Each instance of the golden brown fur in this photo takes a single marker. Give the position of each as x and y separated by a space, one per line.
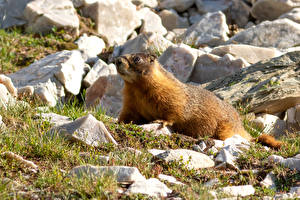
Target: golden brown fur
153 94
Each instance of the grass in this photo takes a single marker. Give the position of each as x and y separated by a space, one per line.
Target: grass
25 135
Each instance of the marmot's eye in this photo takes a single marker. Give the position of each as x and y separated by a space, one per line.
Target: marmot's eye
136 60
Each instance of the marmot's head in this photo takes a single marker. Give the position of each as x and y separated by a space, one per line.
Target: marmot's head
134 67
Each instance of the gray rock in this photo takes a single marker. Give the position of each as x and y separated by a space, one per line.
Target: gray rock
151 22
210 30
225 160
238 13
87 130
292 163
147 43
171 20
11 13
52 75
292 118
106 91
100 68
270 86
206 6
293 15
90 46
169 179
242 190
43 15
209 67
251 54
272 9
157 129
148 3
285 34
115 20
180 60
270 124
179 6
55 119
190 159
269 181
152 187
121 173
211 182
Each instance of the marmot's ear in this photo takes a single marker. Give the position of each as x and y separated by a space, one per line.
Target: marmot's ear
153 58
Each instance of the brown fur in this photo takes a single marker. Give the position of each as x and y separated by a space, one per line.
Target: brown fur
153 94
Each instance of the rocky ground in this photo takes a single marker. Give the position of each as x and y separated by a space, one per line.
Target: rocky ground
60 96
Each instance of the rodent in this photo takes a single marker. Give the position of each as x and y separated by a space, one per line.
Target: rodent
152 94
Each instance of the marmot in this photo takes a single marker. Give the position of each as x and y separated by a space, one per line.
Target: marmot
153 94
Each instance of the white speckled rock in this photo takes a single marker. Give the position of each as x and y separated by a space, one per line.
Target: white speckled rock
121 173
43 15
280 33
180 60
190 159
242 190
115 20
87 130
151 22
151 187
210 30
90 46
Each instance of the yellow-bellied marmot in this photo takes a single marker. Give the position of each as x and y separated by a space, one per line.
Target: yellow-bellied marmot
153 94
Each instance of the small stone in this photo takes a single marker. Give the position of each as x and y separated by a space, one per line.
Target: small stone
293 15
190 159
211 182
151 187
270 124
238 13
295 190
171 20
292 118
90 46
210 30
2 125
21 160
169 179
86 129
4 80
206 6
179 6
121 173
156 152
292 163
180 60
6 98
243 190
199 147
151 22
269 181
157 129
26 91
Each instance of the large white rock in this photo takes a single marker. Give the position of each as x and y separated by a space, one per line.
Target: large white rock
180 60
292 118
293 15
87 130
147 42
121 173
242 190
43 15
210 30
52 75
114 19
270 124
206 6
171 20
151 22
178 5
188 158
106 91
209 67
272 9
11 13
90 46
281 33
251 54
292 163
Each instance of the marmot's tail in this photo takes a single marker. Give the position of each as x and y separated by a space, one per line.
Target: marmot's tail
269 141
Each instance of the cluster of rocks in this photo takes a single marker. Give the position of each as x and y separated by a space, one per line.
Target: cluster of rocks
244 51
